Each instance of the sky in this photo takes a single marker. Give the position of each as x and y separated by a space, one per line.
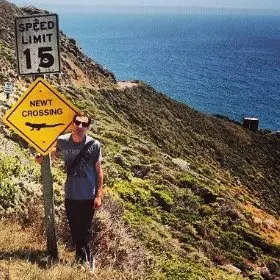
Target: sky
235 4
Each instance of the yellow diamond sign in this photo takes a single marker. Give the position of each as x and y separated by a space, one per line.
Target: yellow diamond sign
40 115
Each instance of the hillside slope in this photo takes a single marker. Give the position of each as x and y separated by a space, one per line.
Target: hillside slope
189 196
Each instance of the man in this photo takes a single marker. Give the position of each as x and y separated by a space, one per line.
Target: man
83 186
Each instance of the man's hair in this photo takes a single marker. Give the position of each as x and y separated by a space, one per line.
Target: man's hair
82 115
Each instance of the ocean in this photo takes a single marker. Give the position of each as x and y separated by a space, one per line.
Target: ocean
226 64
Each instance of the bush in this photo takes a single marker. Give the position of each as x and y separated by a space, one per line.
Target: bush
236 245
15 188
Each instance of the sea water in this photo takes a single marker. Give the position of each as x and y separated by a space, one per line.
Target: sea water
227 64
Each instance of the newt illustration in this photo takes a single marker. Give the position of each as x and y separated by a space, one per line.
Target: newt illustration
38 126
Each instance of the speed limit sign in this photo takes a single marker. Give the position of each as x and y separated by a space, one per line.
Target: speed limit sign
37 43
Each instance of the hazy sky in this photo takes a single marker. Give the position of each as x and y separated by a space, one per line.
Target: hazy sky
243 4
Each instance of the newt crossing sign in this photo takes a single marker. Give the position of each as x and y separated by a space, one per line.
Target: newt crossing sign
37 43
40 115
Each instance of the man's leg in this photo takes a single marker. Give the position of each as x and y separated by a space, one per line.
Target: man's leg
84 237
80 214
73 213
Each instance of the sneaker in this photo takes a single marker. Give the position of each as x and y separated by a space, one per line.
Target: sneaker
92 265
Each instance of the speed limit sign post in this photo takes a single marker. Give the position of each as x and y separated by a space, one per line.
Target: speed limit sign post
37 48
37 43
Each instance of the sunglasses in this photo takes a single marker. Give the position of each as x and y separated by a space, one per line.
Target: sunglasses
84 124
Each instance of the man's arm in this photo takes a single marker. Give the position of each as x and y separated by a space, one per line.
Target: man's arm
99 189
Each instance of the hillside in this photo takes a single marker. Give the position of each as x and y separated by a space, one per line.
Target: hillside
188 195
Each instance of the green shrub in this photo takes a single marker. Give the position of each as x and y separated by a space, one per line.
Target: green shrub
11 196
177 269
15 173
233 242
10 166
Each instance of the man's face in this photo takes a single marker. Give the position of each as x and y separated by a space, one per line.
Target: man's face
80 126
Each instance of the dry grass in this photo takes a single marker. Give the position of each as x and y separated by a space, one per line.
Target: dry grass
20 269
115 247
267 225
78 77
118 255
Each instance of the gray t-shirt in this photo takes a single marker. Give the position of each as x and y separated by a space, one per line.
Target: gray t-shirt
81 182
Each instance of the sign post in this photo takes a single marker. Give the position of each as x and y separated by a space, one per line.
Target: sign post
42 113
8 89
35 116
40 116
49 207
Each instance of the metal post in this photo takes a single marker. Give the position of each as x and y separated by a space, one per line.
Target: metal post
49 207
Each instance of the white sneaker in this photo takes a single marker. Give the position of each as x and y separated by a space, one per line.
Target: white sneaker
92 265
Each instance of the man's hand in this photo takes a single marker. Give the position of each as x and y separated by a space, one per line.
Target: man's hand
97 202
39 158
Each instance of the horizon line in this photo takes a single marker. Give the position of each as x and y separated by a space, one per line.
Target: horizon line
149 6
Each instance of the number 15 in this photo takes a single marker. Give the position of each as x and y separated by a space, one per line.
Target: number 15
46 59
